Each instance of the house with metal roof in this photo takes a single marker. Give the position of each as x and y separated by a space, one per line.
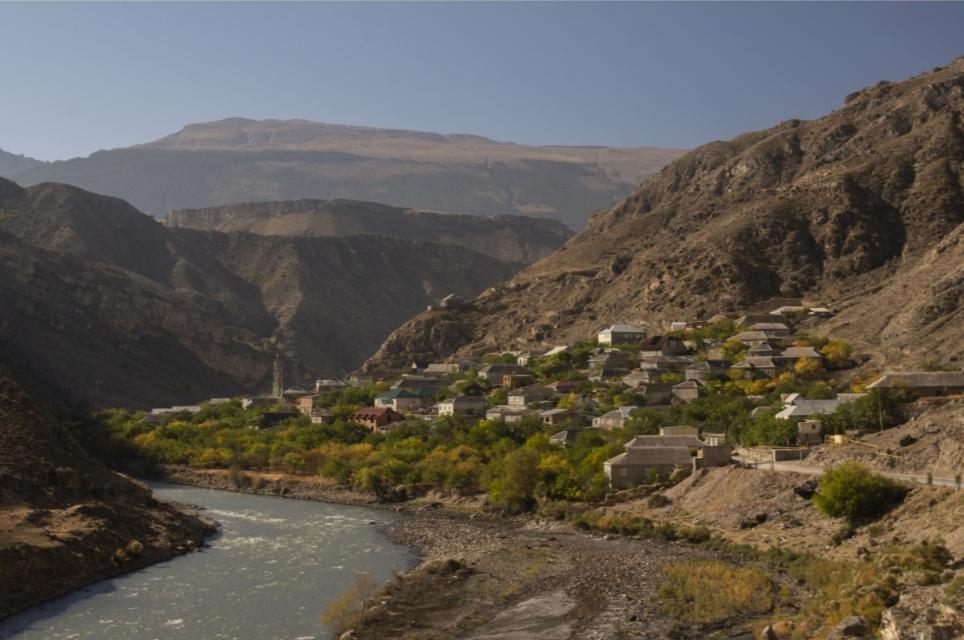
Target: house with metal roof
925 383
621 334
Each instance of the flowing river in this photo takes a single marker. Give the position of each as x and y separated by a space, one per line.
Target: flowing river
268 575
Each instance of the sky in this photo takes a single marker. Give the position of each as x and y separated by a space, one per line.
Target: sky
80 77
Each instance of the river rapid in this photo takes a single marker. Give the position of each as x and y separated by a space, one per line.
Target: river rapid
275 566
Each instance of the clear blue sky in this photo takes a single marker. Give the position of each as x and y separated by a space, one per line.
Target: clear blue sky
82 77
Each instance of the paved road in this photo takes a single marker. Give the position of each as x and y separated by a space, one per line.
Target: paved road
812 470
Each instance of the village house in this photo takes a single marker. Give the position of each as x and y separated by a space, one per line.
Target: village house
809 433
511 415
610 359
602 375
525 396
376 418
494 373
565 438
680 430
655 393
620 334
321 416
924 383
443 368
400 400
763 350
647 456
414 382
642 376
749 319
453 301
753 338
662 346
772 329
714 438
565 387
615 419
462 405
524 358
162 414
556 417
796 407
757 367
687 392
293 394
306 404
667 363
791 355
707 370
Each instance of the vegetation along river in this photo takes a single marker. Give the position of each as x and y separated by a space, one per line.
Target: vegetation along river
268 575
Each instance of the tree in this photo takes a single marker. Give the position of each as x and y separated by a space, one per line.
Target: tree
520 475
837 353
807 367
733 350
850 490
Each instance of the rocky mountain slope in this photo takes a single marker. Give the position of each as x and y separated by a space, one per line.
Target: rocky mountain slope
103 304
860 210
516 239
11 163
65 520
238 160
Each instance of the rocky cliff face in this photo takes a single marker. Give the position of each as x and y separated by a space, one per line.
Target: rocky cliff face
66 520
860 209
239 160
105 305
515 239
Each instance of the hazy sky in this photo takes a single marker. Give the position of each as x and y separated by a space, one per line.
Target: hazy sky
82 77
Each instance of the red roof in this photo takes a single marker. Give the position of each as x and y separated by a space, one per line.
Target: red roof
370 412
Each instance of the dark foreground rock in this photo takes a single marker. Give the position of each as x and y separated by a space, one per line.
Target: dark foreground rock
65 519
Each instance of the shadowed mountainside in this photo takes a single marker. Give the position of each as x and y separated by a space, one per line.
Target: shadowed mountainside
238 160
104 304
860 209
516 239
65 520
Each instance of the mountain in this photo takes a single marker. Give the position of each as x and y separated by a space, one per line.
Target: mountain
65 520
515 239
11 164
238 160
104 304
859 210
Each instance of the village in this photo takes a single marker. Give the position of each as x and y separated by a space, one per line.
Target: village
800 391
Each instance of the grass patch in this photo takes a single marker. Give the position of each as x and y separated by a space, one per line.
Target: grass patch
712 591
346 610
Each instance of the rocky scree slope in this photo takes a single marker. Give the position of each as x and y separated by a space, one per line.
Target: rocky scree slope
860 209
65 519
240 160
515 239
103 304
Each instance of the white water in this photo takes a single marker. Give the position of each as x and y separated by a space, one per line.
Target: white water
270 573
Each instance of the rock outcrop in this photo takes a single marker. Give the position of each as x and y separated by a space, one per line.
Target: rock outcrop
859 210
240 160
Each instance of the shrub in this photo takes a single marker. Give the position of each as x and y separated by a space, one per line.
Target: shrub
346 610
712 591
850 490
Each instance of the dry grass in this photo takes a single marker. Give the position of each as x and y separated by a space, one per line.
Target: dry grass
710 591
346 610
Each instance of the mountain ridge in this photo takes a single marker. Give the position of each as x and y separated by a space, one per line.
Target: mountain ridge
237 160
514 239
105 305
849 208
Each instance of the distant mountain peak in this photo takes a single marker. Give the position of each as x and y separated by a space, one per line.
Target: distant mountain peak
11 164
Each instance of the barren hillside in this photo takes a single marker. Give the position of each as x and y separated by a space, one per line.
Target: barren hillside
860 210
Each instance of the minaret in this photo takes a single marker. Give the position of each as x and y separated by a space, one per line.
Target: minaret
278 381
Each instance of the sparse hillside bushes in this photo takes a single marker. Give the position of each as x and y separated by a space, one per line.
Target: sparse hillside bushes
850 490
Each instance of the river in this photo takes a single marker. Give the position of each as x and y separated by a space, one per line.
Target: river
268 575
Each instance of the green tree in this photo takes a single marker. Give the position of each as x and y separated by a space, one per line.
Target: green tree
850 490
520 475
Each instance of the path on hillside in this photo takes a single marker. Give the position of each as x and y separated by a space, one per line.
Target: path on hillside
812 470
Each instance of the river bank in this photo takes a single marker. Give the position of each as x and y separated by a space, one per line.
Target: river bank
486 576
